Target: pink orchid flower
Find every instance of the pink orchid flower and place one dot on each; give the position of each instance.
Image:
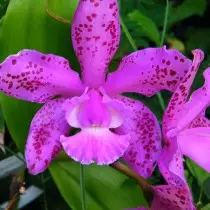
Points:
(176, 121)
(179, 117)
(108, 122)
(180, 137)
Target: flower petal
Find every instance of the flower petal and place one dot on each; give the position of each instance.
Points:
(171, 164)
(36, 77)
(198, 102)
(43, 140)
(95, 35)
(169, 197)
(199, 141)
(200, 121)
(178, 99)
(98, 145)
(148, 71)
(173, 198)
(145, 145)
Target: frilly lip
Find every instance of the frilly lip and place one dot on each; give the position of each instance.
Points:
(98, 145)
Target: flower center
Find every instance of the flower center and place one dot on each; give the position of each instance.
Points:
(94, 110)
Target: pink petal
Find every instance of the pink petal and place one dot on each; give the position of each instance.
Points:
(95, 145)
(171, 164)
(170, 197)
(148, 71)
(195, 107)
(43, 140)
(95, 35)
(200, 121)
(178, 99)
(195, 144)
(36, 77)
(145, 146)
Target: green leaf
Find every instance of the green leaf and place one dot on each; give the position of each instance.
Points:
(206, 187)
(2, 131)
(202, 177)
(146, 25)
(186, 9)
(106, 188)
(200, 174)
(2, 126)
(207, 207)
(26, 25)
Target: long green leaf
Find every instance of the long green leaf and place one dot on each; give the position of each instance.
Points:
(146, 25)
(105, 187)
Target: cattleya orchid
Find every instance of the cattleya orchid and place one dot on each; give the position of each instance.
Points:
(185, 131)
(110, 125)
(180, 138)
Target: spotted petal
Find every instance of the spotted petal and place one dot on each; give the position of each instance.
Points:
(193, 111)
(145, 145)
(173, 112)
(148, 71)
(95, 36)
(169, 197)
(171, 164)
(200, 121)
(43, 140)
(36, 77)
(98, 145)
(173, 198)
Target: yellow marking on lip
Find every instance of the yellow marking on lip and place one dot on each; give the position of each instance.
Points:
(95, 126)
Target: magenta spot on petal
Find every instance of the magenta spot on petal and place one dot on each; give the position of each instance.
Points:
(14, 61)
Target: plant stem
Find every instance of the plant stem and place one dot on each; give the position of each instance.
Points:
(15, 190)
(160, 98)
(165, 24)
(128, 35)
(53, 15)
(146, 187)
(82, 186)
(161, 101)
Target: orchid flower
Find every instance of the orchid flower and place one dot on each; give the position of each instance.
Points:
(186, 129)
(175, 116)
(176, 195)
(108, 122)
(177, 123)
